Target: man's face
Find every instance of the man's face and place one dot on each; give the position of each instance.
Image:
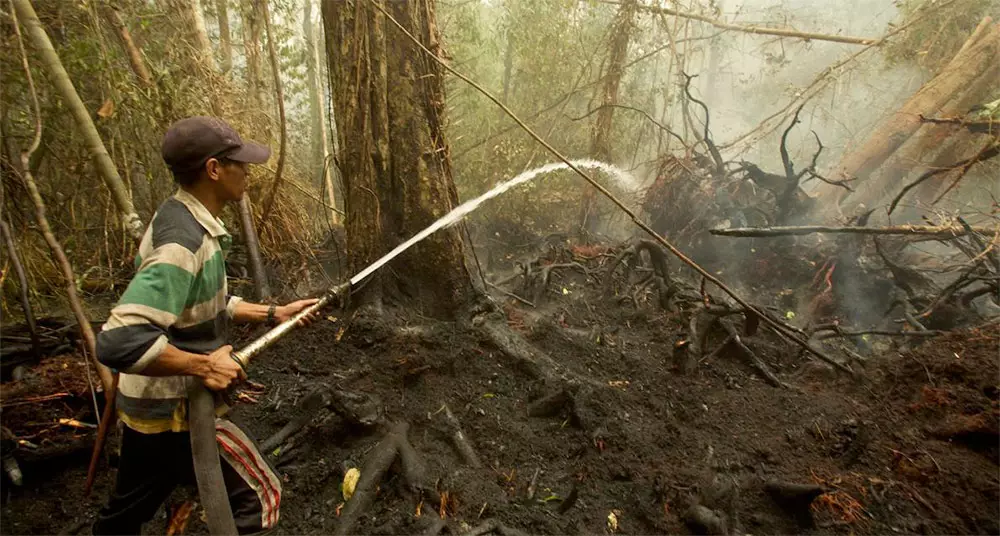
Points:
(230, 178)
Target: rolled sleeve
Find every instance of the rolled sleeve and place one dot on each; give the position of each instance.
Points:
(136, 331)
(231, 303)
(130, 348)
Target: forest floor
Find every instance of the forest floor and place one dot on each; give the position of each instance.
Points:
(907, 446)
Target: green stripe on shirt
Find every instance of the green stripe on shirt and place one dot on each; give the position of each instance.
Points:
(160, 286)
(208, 282)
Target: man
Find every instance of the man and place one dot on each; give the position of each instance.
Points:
(169, 329)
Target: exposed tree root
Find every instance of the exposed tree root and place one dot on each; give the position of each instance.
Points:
(308, 408)
(355, 408)
(462, 443)
(795, 499)
(754, 360)
(532, 361)
(703, 520)
(436, 526)
(379, 461)
(492, 526)
(551, 404)
(698, 327)
(631, 256)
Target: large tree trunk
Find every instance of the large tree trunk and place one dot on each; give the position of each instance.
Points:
(280, 98)
(600, 139)
(225, 40)
(975, 64)
(195, 19)
(320, 137)
(60, 79)
(389, 102)
(257, 270)
(131, 50)
(252, 34)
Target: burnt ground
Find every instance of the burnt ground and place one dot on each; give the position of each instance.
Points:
(909, 446)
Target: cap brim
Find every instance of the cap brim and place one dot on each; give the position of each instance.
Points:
(251, 153)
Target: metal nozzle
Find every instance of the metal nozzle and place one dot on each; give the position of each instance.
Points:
(245, 354)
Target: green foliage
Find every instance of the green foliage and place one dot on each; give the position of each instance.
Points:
(935, 39)
(132, 120)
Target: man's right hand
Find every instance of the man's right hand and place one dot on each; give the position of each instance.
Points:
(221, 370)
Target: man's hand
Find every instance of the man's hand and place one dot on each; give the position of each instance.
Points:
(285, 312)
(221, 370)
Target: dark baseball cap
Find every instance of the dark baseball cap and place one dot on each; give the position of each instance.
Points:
(191, 142)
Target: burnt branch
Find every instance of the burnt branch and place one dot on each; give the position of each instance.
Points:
(964, 165)
(841, 183)
(989, 151)
(937, 232)
(786, 161)
(720, 165)
(987, 126)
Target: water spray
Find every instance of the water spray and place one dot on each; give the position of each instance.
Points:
(340, 290)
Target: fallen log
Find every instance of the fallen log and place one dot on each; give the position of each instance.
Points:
(935, 231)
(976, 61)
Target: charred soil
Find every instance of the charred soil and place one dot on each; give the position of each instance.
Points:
(910, 445)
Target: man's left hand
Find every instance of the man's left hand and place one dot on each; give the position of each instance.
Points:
(285, 312)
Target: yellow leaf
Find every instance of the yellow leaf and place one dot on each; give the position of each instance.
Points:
(612, 522)
(106, 110)
(565, 291)
(350, 482)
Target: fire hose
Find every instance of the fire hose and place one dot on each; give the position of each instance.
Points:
(202, 405)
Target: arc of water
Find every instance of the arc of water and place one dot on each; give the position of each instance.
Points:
(620, 176)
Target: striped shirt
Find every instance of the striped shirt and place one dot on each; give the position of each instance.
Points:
(178, 296)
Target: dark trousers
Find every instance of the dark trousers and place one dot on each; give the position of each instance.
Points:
(152, 465)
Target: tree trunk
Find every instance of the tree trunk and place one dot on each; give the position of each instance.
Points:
(252, 33)
(389, 102)
(200, 34)
(22, 281)
(600, 144)
(24, 11)
(508, 66)
(225, 41)
(978, 60)
(60, 79)
(131, 50)
(320, 137)
(280, 96)
(253, 249)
